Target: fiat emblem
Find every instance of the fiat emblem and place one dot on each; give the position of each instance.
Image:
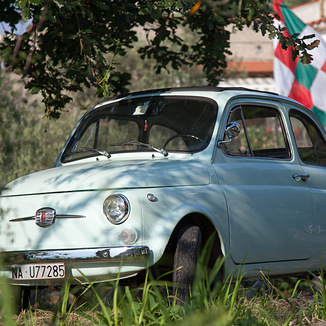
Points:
(45, 217)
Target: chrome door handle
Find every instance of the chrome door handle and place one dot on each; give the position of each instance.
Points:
(301, 177)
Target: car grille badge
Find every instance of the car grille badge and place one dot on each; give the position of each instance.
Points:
(45, 217)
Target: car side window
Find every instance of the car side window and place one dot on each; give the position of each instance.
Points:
(310, 142)
(262, 133)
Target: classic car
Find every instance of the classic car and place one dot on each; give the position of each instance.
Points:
(155, 174)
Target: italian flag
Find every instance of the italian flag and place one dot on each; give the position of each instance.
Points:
(304, 83)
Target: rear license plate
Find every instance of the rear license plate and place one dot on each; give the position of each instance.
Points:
(38, 271)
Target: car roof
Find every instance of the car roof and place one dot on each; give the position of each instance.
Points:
(225, 93)
(192, 89)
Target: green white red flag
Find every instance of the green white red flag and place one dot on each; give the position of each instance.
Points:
(304, 83)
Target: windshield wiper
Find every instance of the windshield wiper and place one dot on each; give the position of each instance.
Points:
(98, 151)
(138, 143)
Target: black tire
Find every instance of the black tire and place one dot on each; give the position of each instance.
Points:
(22, 298)
(185, 259)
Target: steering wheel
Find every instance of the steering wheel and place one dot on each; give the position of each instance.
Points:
(181, 135)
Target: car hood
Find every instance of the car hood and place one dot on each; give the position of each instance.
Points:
(111, 175)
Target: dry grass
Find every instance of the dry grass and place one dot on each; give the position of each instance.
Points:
(267, 308)
(42, 318)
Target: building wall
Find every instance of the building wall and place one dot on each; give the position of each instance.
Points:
(310, 11)
(247, 45)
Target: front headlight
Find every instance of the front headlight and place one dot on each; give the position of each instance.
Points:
(116, 208)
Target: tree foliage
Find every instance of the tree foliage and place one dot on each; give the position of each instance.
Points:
(75, 44)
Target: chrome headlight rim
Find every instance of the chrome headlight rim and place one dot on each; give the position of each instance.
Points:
(123, 215)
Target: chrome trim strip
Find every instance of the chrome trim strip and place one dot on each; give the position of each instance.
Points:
(20, 219)
(30, 218)
(69, 216)
(114, 254)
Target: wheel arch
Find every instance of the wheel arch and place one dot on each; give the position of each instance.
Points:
(207, 228)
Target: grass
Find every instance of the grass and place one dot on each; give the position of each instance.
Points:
(211, 302)
(151, 304)
(224, 304)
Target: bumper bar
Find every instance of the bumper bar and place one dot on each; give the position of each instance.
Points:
(115, 254)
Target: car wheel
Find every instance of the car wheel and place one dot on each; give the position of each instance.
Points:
(186, 256)
(22, 295)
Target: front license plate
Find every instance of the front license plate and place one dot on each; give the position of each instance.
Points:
(38, 271)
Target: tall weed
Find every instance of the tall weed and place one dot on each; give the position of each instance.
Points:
(7, 303)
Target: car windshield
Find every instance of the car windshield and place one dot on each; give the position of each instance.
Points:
(166, 124)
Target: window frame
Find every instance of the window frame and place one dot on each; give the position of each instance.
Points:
(106, 109)
(282, 125)
(316, 127)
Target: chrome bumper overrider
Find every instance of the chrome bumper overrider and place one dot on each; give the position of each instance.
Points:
(115, 254)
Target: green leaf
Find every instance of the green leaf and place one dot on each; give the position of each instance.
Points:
(305, 37)
(35, 90)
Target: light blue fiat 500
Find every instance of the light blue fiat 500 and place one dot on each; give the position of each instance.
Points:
(146, 178)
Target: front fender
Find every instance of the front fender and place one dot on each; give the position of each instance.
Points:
(171, 205)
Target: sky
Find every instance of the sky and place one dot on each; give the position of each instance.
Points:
(21, 27)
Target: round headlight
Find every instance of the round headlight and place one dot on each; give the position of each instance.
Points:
(116, 208)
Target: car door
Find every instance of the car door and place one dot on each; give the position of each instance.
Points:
(270, 213)
(311, 147)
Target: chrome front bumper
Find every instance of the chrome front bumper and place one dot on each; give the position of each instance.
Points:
(89, 264)
(139, 254)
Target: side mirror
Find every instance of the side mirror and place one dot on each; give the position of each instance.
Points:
(232, 130)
